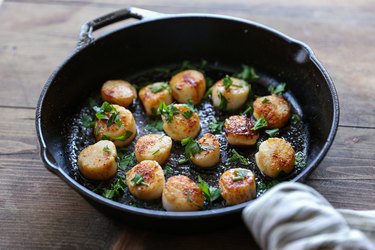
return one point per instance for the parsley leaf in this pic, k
(248, 73)
(139, 180)
(156, 88)
(299, 161)
(124, 137)
(210, 193)
(154, 126)
(208, 93)
(265, 100)
(106, 137)
(240, 174)
(295, 118)
(87, 121)
(106, 110)
(236, 157)
(188, 114)
(191, 146)
(106, 149)
(223, 102)
(278, 90)
(114, 118)
(272, 132)
(116, 191)
(264, 186)
(168, 170)
(183, 161)
(168, 111)
(261, 123)
(227, 82)
(215, 126)
(126, 160)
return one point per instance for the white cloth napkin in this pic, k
(295, 216)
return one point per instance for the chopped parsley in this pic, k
(261, 123)
(116, 191)
(191, 146)
(190, 105)
(264, 186)
(109, 113)
(87, 121)
(188, 114)
(124, 137)
(154, 126)
(210, 193)
(106, 137)
(215, 126)
(183, 161)
(265, 100)
(240, 174)
(139, 180)
(208, 93)
(114, 118)
(106, 149)
(299, 161)
(156, 151)
(125, 159)
(295, 118)
(236, 157)
(278, 90)
(227, 82)
(248, 110)
(272, 132)
(159, 87)
(248, 73)
(168, 111)
(223, 102)
(168, 170)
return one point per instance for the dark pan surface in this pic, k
(167, 40)
(79, 137)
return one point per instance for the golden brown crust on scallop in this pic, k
(238, 130)
(275, 155)
(151, 101)
(188, 84)
(182, 194)
(119, 92)
(237, 191)
(275, 109)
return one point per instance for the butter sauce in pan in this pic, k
(295, 132)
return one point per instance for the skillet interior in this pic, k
(168, 40)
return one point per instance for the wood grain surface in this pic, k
(38, 210)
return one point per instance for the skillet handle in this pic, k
(85, 36)
(48, 160)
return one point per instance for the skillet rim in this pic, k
(195, 214)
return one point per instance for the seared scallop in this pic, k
(153, 147)
(180, 122)
(188, 84)
(146, 180)
(121, 130)
(275, 155)
(275, 108)
(237, 186)
(118, 92)
(210, 154)
(230, 93)
(182, 194)
(98, 161)
(238, 131)
(154, 94)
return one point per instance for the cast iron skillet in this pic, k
(159, 39)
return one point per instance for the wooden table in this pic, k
(38, 210)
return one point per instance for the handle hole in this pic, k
(114, 26)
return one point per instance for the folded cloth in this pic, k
(295, 216)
